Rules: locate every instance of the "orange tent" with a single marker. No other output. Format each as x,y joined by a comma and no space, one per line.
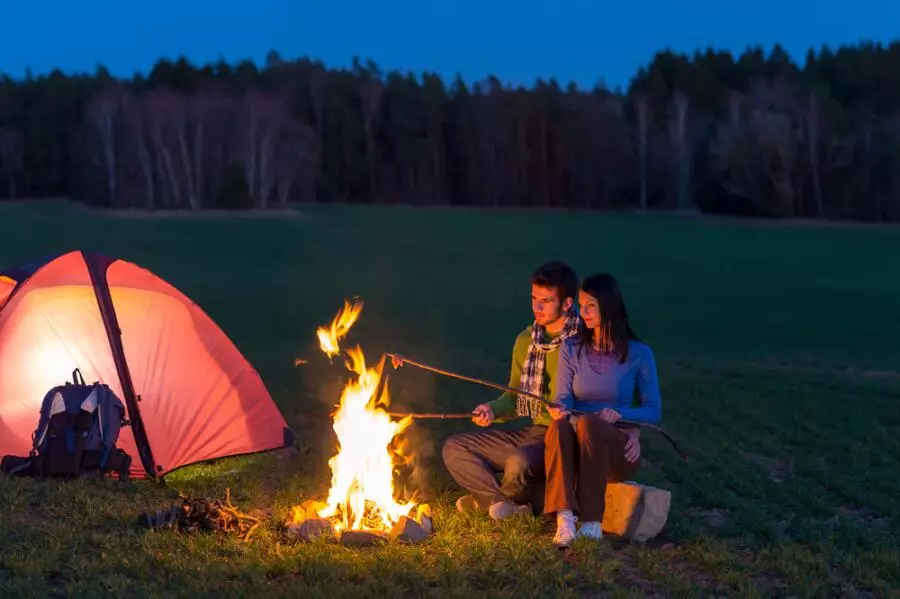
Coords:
190,394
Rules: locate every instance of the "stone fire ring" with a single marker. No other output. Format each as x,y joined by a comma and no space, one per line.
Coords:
407,530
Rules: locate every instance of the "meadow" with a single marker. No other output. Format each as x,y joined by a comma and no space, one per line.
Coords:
777,352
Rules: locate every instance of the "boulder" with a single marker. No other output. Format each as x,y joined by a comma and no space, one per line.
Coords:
635,511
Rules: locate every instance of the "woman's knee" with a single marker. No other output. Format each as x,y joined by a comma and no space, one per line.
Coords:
559,429
596,428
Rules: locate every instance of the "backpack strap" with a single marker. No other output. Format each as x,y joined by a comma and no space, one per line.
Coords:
76,374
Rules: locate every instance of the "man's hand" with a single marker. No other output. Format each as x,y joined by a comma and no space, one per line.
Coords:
483,415
609,415
633,444
558,413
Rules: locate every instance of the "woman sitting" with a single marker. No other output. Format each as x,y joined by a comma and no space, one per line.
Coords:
599,371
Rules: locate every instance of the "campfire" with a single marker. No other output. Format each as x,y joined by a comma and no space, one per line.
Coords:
361,505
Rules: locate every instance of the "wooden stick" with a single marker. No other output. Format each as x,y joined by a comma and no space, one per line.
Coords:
432,415
486,383
620,423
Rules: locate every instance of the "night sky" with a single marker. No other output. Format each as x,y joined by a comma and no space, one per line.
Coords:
518,41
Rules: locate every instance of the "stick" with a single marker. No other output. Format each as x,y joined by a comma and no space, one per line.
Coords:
432,415
484,382
620,423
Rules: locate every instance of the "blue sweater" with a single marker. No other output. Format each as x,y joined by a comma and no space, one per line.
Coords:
580,386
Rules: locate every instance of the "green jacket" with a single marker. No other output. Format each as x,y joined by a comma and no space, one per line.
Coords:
504,407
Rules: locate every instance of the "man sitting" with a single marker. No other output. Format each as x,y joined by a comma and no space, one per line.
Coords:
474,459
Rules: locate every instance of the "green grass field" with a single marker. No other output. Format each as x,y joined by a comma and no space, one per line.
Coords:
777,347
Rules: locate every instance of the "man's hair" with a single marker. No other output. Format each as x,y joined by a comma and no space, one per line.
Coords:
558,276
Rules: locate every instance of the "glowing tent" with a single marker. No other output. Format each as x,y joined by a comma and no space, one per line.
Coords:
190,394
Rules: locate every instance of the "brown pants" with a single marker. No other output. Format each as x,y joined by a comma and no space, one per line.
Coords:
579,461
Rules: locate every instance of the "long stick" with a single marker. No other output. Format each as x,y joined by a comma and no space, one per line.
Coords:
621,422
471,379
432,415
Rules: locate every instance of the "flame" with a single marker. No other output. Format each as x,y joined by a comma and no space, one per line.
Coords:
340,326
362,484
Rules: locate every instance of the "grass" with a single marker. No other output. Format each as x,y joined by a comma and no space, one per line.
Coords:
777,351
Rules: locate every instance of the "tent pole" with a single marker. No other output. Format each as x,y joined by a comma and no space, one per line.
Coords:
114,334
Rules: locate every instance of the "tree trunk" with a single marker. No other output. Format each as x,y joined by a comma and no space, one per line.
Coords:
812,130
682,163
643,118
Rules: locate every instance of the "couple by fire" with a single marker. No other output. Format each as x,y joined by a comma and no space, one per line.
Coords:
582,356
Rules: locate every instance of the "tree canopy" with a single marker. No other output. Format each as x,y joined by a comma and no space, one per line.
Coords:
753,134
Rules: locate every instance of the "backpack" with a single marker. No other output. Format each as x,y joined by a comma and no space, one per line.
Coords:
76,434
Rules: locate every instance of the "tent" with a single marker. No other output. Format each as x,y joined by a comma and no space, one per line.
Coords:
190,395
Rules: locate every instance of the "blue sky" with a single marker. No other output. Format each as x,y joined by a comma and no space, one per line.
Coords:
518,41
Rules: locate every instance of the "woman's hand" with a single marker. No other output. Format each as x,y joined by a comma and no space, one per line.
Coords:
609,415
558,412
633,444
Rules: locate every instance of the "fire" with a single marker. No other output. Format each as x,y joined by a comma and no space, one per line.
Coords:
362,484
340,326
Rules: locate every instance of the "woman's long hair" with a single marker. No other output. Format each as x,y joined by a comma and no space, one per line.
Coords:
614,324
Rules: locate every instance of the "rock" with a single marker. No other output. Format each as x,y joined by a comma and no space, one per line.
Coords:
407,530
716,518
424,518
634,511
363,538
309,529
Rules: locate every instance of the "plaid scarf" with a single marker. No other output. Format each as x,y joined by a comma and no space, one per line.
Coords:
532,379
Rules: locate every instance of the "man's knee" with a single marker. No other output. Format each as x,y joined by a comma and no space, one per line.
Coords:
456,447
451,449
516,465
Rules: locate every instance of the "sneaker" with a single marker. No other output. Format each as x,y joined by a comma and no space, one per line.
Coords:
502,510
466,504
590,530
565,528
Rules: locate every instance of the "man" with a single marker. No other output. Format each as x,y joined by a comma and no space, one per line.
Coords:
474,459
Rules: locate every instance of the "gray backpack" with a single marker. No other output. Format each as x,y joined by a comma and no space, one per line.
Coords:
77,432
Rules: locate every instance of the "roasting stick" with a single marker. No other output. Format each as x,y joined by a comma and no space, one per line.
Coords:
432,415
623,423
404,360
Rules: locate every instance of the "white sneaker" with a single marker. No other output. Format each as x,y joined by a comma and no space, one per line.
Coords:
565,528
590,530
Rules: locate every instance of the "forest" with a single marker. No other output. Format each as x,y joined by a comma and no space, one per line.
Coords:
754,134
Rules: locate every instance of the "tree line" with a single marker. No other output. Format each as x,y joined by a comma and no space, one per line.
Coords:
752,134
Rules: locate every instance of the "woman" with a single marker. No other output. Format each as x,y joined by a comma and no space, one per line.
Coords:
599,372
